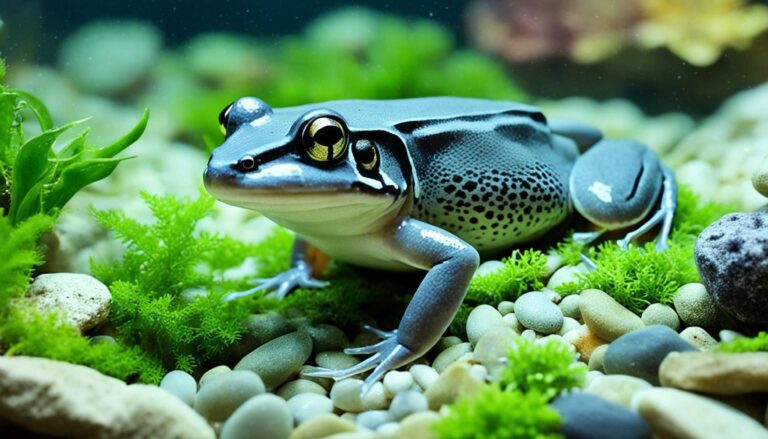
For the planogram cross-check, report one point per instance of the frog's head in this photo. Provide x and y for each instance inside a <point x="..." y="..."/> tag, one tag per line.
<point x="306" y="168"/>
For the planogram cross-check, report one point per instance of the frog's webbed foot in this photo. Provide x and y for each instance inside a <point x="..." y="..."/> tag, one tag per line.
<point x="664" y="215"/>
<point x="279" y="286"/>
<point x="385" y="355"/>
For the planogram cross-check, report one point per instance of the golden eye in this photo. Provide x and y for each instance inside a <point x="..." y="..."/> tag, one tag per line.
<point x="366" y="155"/>
<point x="325" y="139"/>
<point x="223" y="118"/>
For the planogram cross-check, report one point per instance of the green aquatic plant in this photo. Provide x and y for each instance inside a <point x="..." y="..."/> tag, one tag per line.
<point x="494" y="413"/>
<point x="168" y="288"/>
<point x="38" y="178"/>
<point x="759" y="343"/>
<point x="547" y="368"/>
<point x="20" y="253"/>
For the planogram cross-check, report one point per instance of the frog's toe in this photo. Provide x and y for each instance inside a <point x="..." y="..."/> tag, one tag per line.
<point x="379" y="332"/>
<point x="280" y="285"/>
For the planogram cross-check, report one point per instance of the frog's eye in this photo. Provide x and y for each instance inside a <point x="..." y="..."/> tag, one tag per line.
<point x="246" y="164"/>
<point x="366" y="155"/>
<point x="325" y="139"/>
<point x="223" y="116"/>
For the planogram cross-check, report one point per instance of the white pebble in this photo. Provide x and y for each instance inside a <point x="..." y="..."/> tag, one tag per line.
<point x="180" y="384"/>
<point x="529" y="334"/>
<point x="727" y="335"/>
<point x="478" y="372"/>
<point x="591" y="375"/>
<point x="305" y="406"/>
<point x="345" y="395"/>
<point x="376" y="398"/>
<point x="396" y="381"/>
<point x="480" y="320"/>
<point x="569" y="324"/>
<point x="372" y="419"/>
<point x="489" y="267"/>
<point x="505" y="307"/>
<point x="406" y="403"/>
<point x="389" y="429"/>
<point x="510" y="320"/>
<point x="424" y="375"/>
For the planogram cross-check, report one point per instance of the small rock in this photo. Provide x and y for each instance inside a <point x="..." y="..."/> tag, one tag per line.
<point x="695" y="306"/>
<point x="489" y="267"/>
<point x="279" y="359"/>
<point x="640" y="353"/>
<point x="406" y="403"/>
<point x="605" y="316"/>
<point x="570" y="306"/>
<point x="296" y="387"/>
<point x="180" y="384"/>
<point x="325" y="383"/>
<point x="100" y="339"/>
<point x="530" y="334"/>
<point x="61" y="399"/>
<point x="535" y="311"/>
<point x="617" y="388"/>
<point x="732" y="258"/>
<point x="446" y="342"/>
<point x="305" y="406"/>
<point x="80" y="300"/>
<point x="505" y="307"/>
<point x="595" y="361"/>
<point x="590" y="417"/>
<point x="566" y="274"/>
<point x="335" y="360"/>
<point x="389" y="429"/>
<point x="267" y="414"/>
<point x="395" y="382"/>
<point x="718" y="373"/>
<point x="212" y="373"/>
<point x="569" y="324"/>
<point x="478" y="372"/>
<point x="327" y="337"/>
<point x="372" y="419"/>
<point x="658" y="314"/>
<point x="698" y="337"/>
<point x="591" y="376"/>
<point x="480" y="320"/>
<point x="450" y="355"/>
<point x="760" y="177"/>
<point x="510" y="321"/>
<point x="345" y="395"/>
<point x="455" y="381"/>
<point x="322" y="426"/>
<point x="260" y="329"/>
<point x="585" y="341"/>
<point x="224" y="394"/>
<point x="554" y="261"/>
<point x="492" y="348"/>
<point x="425" y="376"/>
<point x="675" y="414"/>
<point x="418" y="425"/>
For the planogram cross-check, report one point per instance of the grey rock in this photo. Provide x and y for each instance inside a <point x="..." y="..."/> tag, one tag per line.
<point x="698" y="337"/>
<point x="586" y="416"/>
<point x="180" y="384"/>
<point x="450" y="355"/>
<point x="640" y="353"/>
<point x="279" y="359"/>
<point x="222" y="395"/>
<point x="732" y="259"/>
<point x="295" y="387"/>
<point x="260" y="329"/>
<point x="267" y="414"/>
<point x="570" y="306"/>
<point x="212" y="373"/>
<point x="61" y="399"/>
<point x="536" y="311"/>
<point x="327" y="337"/>
<point x="79" y="299"/>
<point x="335" y="360"/>
<point x="372" y="419"/>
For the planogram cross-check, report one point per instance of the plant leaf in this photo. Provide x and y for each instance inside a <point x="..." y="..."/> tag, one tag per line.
<point x="76" y="176"/>
<point x="125" y="141"/>
<point x="37" y="106"/>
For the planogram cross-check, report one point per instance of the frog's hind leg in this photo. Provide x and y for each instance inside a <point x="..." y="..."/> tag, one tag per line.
<point x="664" y="215"/>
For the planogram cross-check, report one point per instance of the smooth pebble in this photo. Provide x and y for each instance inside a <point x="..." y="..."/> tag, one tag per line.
<point x="450" y="355"/>
<point x="505" y="307"/>
<point x="566" y="274"/>
<point x="267" y="414"/>
<point x="454" y="382"/>
<point x="395" y="381"/>
<point x="180" y="384"/>
<point x="659" y="314"/>
<point x="585" y="415"/>
<point x="569" y="305"/>
<point x="278" y="359"/>
<point x="372" y="419"/>
<point x="698" y="337"/>
<point x="345" y="395"/>
<point x="321" y="426"/>
<point x="569" y="324"/>
<point x="606" y="317"/>
<point x="335" y="360"/>
<point x="213" y="373"/>
<point x="695" y="306"/>
<point x="480" y="320"/>
<point x="424" y="375"/>
<point x="536" y="311"/>
<point x="296" y="387"/>
<point x="305" y="406"/>
<point x="224" y="394"/>
<point x="489" y="267"/>
<point x="406" y="403"/>
<point x="716" y="373"/>
<point x="492" y="348"/>
<point x="617" y="388"/>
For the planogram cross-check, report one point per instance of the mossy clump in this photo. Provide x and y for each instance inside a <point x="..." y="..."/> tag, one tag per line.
<point x="547" y="368"/>
<point x="495" y="413"/>
<point x="759" y="343"/>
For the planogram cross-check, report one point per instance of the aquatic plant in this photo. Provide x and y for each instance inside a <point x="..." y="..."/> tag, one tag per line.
<point x="547" y="368"/>
<point x="494" y="413"/>
<point x="759" y="343"/>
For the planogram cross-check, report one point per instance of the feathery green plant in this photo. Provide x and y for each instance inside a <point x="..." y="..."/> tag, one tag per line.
<point x="759" y="343"/>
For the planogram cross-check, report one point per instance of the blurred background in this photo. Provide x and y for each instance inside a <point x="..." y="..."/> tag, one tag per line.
<point x="684" y="76"/>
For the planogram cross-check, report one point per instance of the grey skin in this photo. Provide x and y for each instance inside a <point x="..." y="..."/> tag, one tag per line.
<point x="426" y="184"/>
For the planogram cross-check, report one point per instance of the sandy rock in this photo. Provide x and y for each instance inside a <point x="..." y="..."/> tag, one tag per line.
<point x="585" y="341"/>
<point x="617" y="388"/>
<point x="491" y="350"/>
<point x="718" y="373"/>
<point x="79" y="299"/>
<point x="418" y="425"/>
<point x="606" y="317"/>
<point x="57" y="398"/>
<point x="480" y="321"/>
<point x="455" y="381"/>
<point x="760" y="177"/>
<point x="698" y="337"/>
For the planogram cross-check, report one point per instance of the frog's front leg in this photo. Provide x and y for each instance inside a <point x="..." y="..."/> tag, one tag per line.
<point x="299" y="275"/>
<point x="451" y="263"/>
<point x="616" y="183"/>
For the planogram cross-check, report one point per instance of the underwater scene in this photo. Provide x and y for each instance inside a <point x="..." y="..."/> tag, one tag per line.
<point x="449" y="219"/>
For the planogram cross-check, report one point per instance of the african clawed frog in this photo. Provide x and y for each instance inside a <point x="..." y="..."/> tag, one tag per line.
<point x="426" y="184"/>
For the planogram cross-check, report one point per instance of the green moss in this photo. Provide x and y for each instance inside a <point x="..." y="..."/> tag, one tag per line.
<point x="640" y="276"/>
<point x="20" y="253"/>
<point x="547" y="368"/>
<point x="569" y="250"/>
<point x="758" y="343"/>
<point x="498" y="414"/>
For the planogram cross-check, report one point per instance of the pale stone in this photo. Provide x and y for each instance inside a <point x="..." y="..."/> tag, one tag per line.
<point x="606" y="317"/>
<point x="79" y="299"/>
<point x="454" y="382"/>
<point x="322" y="426"/>
<point x="698" y="337"/>
<point x="617" y="388"/>
<point x="718" y="373"/>
<point x="418" y="425"/>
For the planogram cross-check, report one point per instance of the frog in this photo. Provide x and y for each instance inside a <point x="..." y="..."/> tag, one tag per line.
<point x="429" y="184"/>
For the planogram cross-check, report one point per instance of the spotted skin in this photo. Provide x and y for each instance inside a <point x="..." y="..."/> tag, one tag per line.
<point x="511" y="187"/>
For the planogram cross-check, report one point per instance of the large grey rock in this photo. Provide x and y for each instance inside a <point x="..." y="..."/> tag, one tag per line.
<point x="79" y="299"/>
<point x="732" y="258"/>
<point x="279" y="359"/>
<point x="225" y="393"/>
<point x="62" y="399"/>
<point x="586" y="416"/>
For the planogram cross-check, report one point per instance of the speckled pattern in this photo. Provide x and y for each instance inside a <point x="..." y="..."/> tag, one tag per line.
<point x="491" y="186"/>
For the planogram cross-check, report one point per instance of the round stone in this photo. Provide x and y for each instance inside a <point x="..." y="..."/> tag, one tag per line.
<point x="406" y="403"/>
<point x="372" y="419"/>
<point x="181" y="384"/>
<point x="491" y="350"/>
<point x="698" y="337"/>
<point x="450" y="355"/>
<point x="658" y="314"/>
<point x="424" y="375"/>
<point x="640" y="353"/>
<point x="446" y="342"/>
<point x="79" y="299"/>
<point x="395" y="382"/>
<point x="321" y="426"/>
<point x="480" y="320"/>
<point x="585" y="415"/>
<point x="417" y="425"/>
<point x="335" y="360"/>
<point x="606" y="317"/>
<point x="536" y="311"/>
<point x="596" y="358"/>
<point x="454" y="382"/>
<point x="569" y="324"/>
<point x="345" y="395"/>
<point x="296" y="387"/>
<point x="489" y="267"/>
<point x="554" y="261"/>
<point x="505" y="307"/>
<point x="566" y="274"/>
<point x="267" y="414"/>
<point x="260" y="329"/>
<point x="695" y="306"/>
<point x="224" y="394"/>
<point x="279" y="359"/>
<point x="585" y="341"/>
<point x="570" y="306"/>
<point x="327" y="337"/>
<point x="617" y="388"/>
<point x="760" y="177"/>
<point x="213" y="373"/>
<point x="305" y="406"/>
